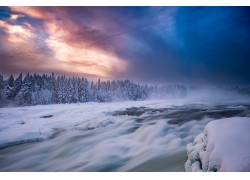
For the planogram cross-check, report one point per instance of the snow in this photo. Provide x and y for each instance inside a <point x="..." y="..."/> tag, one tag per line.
<point x="87" y="137"/>
<point x="223" y="146"/>
<point x="90" y="138"/>
<point x="28" y="124"/>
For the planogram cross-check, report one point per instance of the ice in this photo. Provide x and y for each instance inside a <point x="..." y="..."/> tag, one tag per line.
<point x="27" y="123"/>
<point x="92" y="137"/>
<point x="223" y="146"/>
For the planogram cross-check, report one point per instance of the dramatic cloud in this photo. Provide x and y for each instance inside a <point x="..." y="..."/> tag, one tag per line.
<point x="54" y="45"/>
<point x="156" y="45"/>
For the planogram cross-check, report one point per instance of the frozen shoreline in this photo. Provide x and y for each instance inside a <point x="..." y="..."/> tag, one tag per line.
<point x="121" y="136"/>
<point x="223" y="146"/>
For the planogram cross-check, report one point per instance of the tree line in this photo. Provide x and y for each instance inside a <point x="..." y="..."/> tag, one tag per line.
<point x="35" y="89"/>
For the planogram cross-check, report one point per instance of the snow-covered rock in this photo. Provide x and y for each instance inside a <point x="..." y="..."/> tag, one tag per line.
<point x="223" y="146"/>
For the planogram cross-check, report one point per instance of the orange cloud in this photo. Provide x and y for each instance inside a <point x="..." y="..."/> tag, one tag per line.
<point x="15" y="16"/>
<point x="34" y="12"/>
<point x="17" y="33"/>
<point x="91" y="60"/>
<point x="68" y="53"/>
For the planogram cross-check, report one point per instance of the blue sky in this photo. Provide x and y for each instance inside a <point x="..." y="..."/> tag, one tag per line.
<point x="155" y="45"/>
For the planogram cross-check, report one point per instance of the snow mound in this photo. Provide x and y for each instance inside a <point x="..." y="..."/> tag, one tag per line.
<point x="223" y="146"/>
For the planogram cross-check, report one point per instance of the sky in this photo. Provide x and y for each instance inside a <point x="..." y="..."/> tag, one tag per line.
<point x="151" y="44"/>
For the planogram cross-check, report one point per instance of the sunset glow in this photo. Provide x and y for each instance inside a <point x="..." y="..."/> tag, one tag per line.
<point x="145" y="44"/>
<point x="64" y="55"/>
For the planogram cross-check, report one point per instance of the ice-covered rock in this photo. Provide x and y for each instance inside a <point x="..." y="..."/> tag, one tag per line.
<point x="223" y="146"/>
<point x="102" y="123"/>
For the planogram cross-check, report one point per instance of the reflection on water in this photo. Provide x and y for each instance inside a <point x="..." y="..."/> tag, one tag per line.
<point x="134" y="139"/>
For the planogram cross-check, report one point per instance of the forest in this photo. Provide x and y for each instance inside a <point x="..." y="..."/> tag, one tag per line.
<point x="35" y="89"/>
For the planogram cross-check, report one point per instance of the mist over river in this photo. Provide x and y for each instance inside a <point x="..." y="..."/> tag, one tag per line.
<point x="120" y="136"/>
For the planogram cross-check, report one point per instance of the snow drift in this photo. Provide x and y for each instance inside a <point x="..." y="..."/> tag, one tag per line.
<point x="223" y="146"/>
<point x="116" y="136"/>
<point x="97" y="137"/>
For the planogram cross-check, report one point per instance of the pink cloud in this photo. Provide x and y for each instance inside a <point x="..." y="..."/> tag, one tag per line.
<point x="65" y="49"/>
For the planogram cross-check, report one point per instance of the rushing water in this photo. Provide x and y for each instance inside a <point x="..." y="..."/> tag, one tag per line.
<point x="132" y="139"/>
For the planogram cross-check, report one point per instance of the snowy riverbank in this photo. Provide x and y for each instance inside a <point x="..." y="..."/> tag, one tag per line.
<point x="223" y="146"/>
<point x="118" y="136"/>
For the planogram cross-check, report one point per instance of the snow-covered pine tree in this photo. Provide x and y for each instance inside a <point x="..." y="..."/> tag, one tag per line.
<point x="9" y="90"/>
<point x="2" y="99"/>
<point x="24" y="96"/>
<point x="17" y="85"/>
<point x="46" y="89"/>
<point x="87" y="90"/>
<point x="1" y="82"/>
